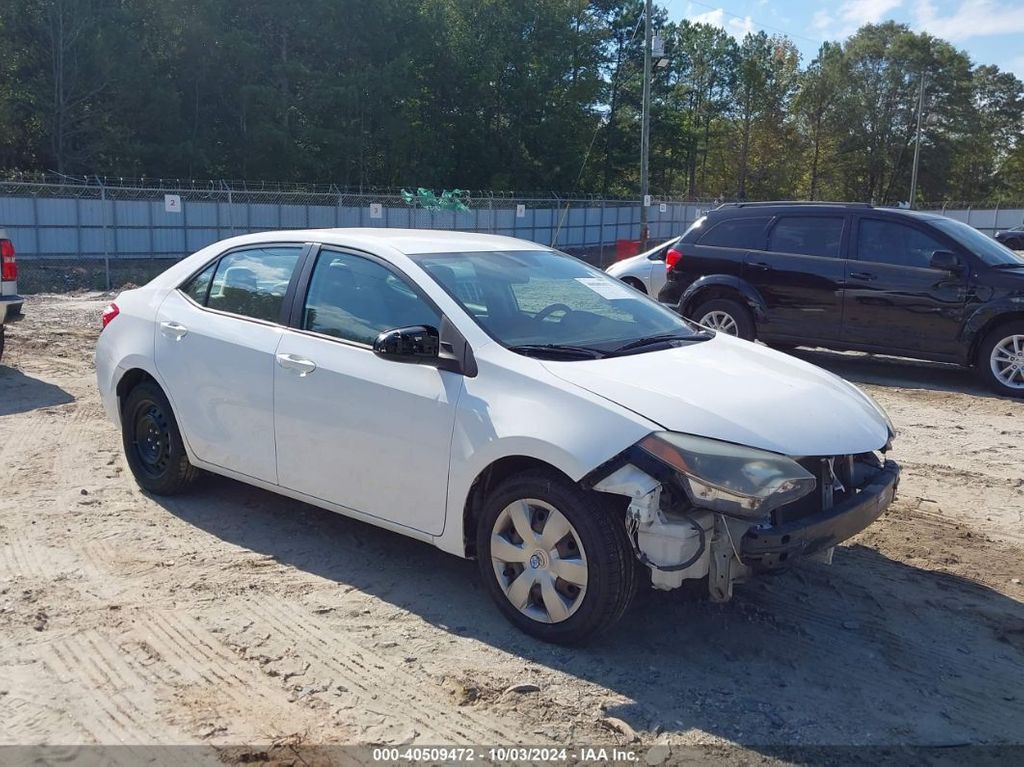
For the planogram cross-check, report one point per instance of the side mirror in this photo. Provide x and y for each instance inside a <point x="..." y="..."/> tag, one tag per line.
<point x="947" y="261"/>
<point x="417" y="343"/>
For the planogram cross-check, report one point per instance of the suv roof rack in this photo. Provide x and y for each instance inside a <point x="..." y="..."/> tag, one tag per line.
<point x="795" y="202"/>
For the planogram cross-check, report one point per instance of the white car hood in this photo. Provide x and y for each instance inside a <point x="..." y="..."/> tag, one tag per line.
<point x="739" y="392"/>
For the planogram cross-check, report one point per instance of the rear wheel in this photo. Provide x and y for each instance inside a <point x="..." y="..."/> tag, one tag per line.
<point x="152" y="442"/>
<point x="1001" y="359"/>
<point x="555" y="558"/>
<point x="726" y="316"/>
<point x="633" y="282"/>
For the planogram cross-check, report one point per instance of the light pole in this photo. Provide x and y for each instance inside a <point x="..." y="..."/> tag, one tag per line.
<point x="917" y="142"/>
<point x="645" y="129"/>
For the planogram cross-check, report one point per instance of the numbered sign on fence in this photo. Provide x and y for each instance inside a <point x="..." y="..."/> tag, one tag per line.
<point x="172" y="203"/>
<point x="520" y="211"/>
<point x="663" y="207"/>
<point x="376" y="210"/>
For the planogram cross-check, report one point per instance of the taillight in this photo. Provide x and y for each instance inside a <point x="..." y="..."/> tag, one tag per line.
<point x="109" y="313"/>
<point x="672" y="258"/>
<point x="8" y="266"/>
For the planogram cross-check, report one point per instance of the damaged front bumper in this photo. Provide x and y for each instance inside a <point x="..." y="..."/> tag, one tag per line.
<point x="776" y="546"/>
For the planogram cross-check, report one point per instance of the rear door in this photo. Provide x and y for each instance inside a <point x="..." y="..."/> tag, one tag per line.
<point x="894" y="298"/>
<point x="800" y="275"/>
<point x="214" y="347"/>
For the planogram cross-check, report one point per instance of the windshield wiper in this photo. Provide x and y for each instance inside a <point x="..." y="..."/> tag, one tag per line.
<point x="577" y="352"/>
<point x="700" y="335"/>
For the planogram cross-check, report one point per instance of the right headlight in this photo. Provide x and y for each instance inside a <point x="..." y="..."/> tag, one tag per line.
<point x="731" y="479"/>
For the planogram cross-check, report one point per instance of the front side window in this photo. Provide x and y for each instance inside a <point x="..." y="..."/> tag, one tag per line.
<point x="819" y="236"/>
<point x="545" y="298"/>
<point x="356" y="299"/>
<point x="890" y="242"/>
<point x="988" y="250"/>
<point x="747" y="233"/>
<point x="252" y="282"/>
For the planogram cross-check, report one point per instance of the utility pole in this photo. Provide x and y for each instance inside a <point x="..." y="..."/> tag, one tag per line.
<point x="645" y="129"/>
<point x="917" y="141"/>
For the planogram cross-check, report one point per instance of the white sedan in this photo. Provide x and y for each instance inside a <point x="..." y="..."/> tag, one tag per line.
<point x="646" y="272"/>
<point x="500" y="400"/>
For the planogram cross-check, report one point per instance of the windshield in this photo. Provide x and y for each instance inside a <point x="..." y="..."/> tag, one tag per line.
<point x="542" y="298"/>
<point x="983" y="246"/>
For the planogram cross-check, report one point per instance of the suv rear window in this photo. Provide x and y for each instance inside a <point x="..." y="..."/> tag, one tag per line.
<point x="736" y="233"/>
<point x="807" y="236"/>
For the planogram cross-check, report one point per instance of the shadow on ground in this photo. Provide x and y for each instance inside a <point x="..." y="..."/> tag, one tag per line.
<point x="904" y="373"/>
<point x="20" y="393"/>
<point x="869" y="651"/>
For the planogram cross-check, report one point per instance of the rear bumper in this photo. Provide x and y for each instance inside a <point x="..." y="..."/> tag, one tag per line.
<point x="776" y="547"/>
<point x="10" y="306"/>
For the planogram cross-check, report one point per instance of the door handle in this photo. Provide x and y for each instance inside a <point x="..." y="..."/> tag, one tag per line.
<point x="866" y="276"/>
<point x="762" y="265"/>
<point x="300" y="365"/>
<point x="173" y="330"/>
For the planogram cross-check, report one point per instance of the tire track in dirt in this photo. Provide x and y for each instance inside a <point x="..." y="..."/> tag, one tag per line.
<point x="373" y="676"/>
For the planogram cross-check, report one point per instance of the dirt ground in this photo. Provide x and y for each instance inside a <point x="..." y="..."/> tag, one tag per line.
<point x="234" y="616"/>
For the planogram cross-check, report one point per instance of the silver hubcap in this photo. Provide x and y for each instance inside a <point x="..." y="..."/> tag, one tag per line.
<point x="1007" y="361"/>
<point x="539" y="561"/>
<point x="720" y="321"/>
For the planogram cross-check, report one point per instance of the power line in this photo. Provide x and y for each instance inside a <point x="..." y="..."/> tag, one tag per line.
<point x="818" y="41"/>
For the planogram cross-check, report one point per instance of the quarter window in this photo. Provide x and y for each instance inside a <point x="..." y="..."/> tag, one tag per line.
<point x="356" y="299"/>
<point x="807" y="236"/>
<point x="747" y="233"/>
<point x="251" y="282"/>
<point x="889" y="242"/>
<point x="199" y="286"/>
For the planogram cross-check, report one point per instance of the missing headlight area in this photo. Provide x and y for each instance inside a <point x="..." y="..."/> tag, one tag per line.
<point x="681" y="535"/>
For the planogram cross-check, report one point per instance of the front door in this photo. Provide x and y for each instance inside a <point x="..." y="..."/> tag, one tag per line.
<point x="214" y="348"/>
<point x="800" y="277"/>
<point x="894" y="298"/>
<point x="370" y="434"/>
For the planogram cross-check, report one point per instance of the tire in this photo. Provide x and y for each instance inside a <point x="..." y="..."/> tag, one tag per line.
<point x="742" y="321"/>
<point x="1003" y="348"/>
<point x="633" y="282"/>
<point x="595" y="537"/>
<point x="152" y="442"/>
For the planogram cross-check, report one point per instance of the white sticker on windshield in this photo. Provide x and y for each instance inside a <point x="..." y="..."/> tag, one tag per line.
<point x="607" y="288"/>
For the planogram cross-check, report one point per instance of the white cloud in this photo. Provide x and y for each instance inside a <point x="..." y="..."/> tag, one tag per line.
<point x="971" y="18"/>
<point x="851" y="15"/>
<point x="737" y="27"/>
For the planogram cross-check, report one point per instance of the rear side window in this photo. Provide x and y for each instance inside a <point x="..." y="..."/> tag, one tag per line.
<point x="252" y="282"/>
<point x="889" y="242"/>
<point x="199" y="286"/>
<point x="745" y="233"/>
<point x="807" y="236"/>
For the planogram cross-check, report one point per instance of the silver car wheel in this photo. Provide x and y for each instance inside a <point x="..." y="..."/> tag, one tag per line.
<point x="539" y="560"/>
<point x="722" y="321"/>
<point x="1007" y="361"/>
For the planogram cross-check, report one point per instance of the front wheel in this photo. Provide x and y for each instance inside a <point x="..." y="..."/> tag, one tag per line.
<point x="152" y="442"/>
<point x="555" y="558"/>
<point x="1001" y="359"/>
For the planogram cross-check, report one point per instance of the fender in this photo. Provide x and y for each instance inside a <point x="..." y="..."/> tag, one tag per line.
<point x="750" y="294"/>
<point x="972" y="332"/>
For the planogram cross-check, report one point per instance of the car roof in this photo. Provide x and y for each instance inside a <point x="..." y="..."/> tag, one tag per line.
<point x="408" y="241"/>
<point x="794" y="206"/>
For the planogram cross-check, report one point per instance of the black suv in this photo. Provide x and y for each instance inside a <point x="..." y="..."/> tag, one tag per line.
<point x="853" y="276"/>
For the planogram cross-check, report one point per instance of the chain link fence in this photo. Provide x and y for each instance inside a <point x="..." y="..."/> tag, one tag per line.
<point x="99" y="232"/>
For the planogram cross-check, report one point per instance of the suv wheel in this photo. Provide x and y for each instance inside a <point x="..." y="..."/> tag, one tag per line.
<point x="555" y="558"/>
<point x="152" y="442"/>
<point x="1001" y="359"/>
<point x="726" y="316"/>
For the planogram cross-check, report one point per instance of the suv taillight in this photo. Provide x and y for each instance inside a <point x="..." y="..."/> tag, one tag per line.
<point x="672" y="258"/>
<point x="109" y="313"/>
<point x="8" y="266"/>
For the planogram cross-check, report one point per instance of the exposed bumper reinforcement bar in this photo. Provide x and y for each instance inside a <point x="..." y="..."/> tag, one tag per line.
<point x="776" y="547"/>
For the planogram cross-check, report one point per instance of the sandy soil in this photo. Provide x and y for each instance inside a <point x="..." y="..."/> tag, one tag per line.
<point x="233" y="616"/>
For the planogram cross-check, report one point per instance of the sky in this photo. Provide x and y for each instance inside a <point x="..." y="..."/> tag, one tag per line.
<point x="991" y="31"/>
